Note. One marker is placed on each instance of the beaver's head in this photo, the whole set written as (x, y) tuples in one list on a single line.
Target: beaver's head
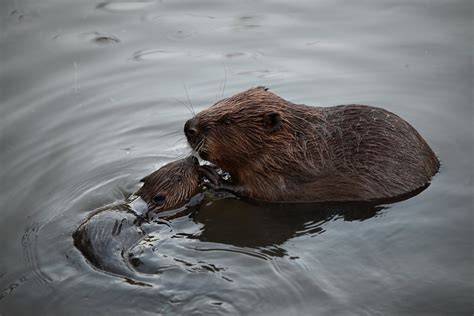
[(172, 185), (234, 130)]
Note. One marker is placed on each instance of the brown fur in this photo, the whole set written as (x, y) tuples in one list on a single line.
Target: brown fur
[(172, 185), (279, 151)]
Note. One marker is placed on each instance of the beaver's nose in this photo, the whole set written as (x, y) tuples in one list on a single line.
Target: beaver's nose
[(190, 128)]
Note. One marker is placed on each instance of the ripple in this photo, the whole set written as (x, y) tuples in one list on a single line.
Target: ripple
[(181, 34), (94, 37), (158, 253), (106, 39), (156, 54), (11, 287), (124, 6), (263, 73), (170, 18), (249, 21), (209, 305), (161, 54), (23, 16), (253, 55), (29, 243)]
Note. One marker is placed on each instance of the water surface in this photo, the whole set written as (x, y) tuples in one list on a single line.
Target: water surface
[(94, 96)]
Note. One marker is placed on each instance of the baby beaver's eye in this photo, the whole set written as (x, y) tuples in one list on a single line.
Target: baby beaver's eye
[(159, 200)]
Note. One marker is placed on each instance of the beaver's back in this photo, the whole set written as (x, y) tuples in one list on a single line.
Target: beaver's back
[(379, 148)]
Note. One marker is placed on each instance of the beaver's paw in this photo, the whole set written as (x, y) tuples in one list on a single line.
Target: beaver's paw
[(218, 180), (209, 173)]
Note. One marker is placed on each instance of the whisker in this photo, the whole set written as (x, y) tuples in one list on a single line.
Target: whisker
[(225, 81), (189, 100), (179, 140), (186, 106), (199, 146), (183, 155), (218, 91), (171, 133)]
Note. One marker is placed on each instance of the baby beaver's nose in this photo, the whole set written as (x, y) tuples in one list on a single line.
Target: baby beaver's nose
[(190, 128)]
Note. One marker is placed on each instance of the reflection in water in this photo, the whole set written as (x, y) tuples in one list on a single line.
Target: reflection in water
[(251, 226), (258, 224), (116, 240)]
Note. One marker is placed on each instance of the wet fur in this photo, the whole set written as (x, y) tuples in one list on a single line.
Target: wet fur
[(276, 150), (174, 183)]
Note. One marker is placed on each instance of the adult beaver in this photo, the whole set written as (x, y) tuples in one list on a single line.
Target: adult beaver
[(276, 150)]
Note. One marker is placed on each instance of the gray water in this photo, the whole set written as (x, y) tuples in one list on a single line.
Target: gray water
[(94, 96)]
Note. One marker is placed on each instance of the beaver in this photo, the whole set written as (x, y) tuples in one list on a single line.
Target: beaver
[(172, 185), (111, 231), (278, 151)]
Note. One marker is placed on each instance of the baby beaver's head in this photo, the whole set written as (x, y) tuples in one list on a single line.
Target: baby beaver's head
[(232, 131), (172, 185)]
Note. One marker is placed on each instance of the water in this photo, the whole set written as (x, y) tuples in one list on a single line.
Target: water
[(94, 96)]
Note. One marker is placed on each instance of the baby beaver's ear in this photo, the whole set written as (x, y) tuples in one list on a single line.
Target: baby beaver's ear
[(272, 121)]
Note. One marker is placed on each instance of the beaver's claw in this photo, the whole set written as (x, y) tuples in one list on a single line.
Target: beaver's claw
[(217, 182), (210, 173)]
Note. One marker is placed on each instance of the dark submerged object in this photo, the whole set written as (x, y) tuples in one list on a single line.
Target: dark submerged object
[(106, 237), (279, 151)]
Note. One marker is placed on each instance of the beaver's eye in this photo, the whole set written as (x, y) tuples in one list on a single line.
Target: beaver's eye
[(159, 200), (226, 120)]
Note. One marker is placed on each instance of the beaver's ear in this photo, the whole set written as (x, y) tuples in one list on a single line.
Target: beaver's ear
[(272, 121)]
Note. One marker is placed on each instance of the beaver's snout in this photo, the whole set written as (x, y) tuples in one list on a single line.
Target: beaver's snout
[(193, 133), (190, 128)]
